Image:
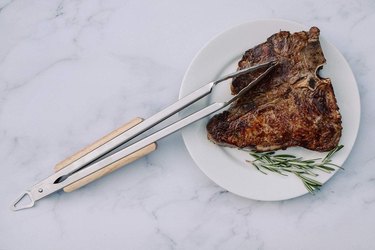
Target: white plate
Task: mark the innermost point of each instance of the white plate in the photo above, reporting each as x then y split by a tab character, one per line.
227	166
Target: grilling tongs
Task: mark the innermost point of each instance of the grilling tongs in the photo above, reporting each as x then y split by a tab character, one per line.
109	153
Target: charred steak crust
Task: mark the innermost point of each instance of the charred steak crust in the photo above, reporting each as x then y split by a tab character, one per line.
292	106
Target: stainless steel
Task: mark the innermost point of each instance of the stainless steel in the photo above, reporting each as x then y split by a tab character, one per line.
76	170
20	198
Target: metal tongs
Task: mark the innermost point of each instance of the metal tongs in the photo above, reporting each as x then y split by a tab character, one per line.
106	155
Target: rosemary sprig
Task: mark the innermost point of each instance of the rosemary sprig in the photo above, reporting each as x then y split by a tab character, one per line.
285	164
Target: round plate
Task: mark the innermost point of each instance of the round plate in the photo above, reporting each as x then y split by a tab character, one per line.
227	166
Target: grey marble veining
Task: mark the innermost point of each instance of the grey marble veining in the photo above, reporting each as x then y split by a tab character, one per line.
71	71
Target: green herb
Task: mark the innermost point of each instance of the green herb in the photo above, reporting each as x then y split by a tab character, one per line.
305	170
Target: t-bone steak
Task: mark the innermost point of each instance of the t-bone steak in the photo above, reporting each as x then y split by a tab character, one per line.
292	106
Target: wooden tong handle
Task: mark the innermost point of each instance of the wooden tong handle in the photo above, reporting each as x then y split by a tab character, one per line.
110	168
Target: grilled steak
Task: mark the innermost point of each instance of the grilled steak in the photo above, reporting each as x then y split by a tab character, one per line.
292	106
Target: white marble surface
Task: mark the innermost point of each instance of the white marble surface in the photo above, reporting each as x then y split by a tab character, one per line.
70	71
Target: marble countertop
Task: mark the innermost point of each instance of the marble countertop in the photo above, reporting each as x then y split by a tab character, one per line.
71	71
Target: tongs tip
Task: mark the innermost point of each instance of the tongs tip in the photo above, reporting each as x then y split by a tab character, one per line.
274	63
